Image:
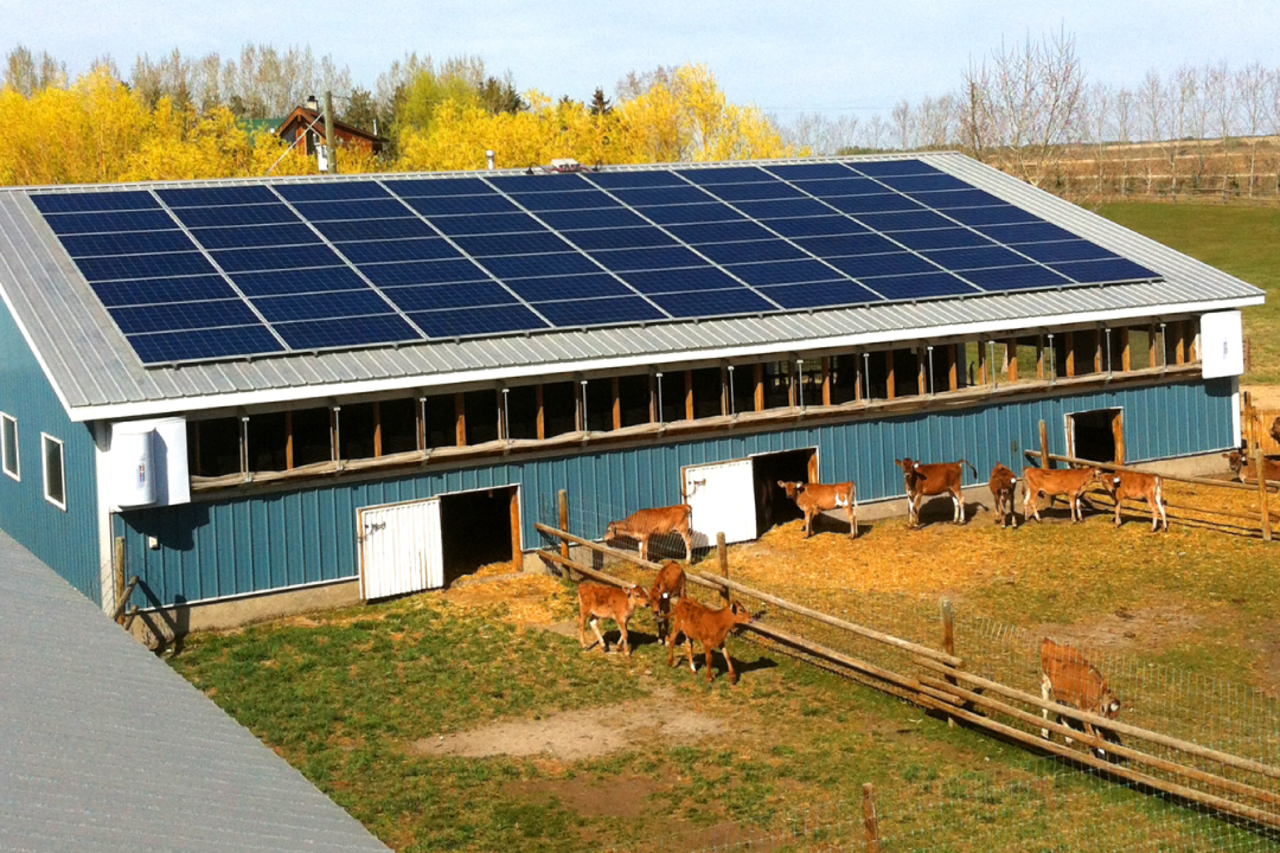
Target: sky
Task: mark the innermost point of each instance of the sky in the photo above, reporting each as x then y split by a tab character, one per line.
837	59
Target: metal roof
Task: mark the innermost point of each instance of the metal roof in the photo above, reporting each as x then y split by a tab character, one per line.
96	374
105	748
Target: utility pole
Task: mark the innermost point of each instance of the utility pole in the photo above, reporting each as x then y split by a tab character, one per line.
330	148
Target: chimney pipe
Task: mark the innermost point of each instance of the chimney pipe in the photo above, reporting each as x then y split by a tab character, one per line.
311	103
488	156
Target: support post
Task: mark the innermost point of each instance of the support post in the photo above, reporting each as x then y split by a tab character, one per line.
1044	445
889	383
117	566
1069	346
1125	358
460	419
1011	358
617	405
759	381
870	824
563	498
948	640
1258	462
330	143
826	382
982	362
688	395
722	558
517	555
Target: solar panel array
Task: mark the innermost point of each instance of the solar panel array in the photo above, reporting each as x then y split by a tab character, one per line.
230	271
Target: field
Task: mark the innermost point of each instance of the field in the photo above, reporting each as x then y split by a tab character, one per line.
469	719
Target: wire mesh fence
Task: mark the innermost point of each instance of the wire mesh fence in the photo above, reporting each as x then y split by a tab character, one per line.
1062	805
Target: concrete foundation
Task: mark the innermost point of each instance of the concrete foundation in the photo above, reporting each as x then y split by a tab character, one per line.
159	628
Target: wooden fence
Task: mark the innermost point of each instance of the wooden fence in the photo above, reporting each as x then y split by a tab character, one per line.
945	684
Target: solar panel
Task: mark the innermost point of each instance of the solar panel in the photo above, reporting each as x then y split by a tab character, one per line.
332	263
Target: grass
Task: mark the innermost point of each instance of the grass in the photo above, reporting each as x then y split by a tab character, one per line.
1243	241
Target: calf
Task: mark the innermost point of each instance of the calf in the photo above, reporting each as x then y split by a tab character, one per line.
938	478
644	523
709	627
667	585
1246	472
1275	429
1122	485
1003	485
1070	482
597	601
813	498
1067	678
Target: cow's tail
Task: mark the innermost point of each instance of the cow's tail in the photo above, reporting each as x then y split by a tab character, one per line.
971	468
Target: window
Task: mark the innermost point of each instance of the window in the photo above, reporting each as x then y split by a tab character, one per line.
9	445
55	491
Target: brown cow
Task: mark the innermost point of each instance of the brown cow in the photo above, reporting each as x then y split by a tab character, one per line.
1275	429
1003	485
1070	482
1068	678
644	523
1123	485
938	478
813	498
597	601
709	627
668	585
1246	472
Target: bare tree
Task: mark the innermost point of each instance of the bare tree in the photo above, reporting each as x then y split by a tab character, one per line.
1218	95
903	125
1098	106
1251	86
26	73
976	121
873	133
1125	112
1153	100
936	122
819	134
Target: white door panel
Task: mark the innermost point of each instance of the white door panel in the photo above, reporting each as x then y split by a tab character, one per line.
723	498
400	549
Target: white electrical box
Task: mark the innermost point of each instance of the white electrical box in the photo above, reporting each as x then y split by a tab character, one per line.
147	463
1221	344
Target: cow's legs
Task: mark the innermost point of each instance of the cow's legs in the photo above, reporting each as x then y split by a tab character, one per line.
707	647
852	511
1046	690
733	676
689	646
644	546
1117	521
688	546
809	516
671	648
595	626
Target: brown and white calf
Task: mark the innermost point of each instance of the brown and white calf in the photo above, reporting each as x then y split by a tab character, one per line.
667	587
936	478
1069	482
1246	472
814	498
1004	486
1068	678
709	627
1124	485
597	601
658	521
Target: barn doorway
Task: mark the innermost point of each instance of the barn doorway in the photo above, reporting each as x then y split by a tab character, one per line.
773	507
1097	435
478	528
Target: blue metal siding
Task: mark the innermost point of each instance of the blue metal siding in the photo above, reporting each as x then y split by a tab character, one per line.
307	535
65	541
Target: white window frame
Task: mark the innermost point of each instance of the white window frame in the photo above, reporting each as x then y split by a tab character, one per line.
16	473
45	441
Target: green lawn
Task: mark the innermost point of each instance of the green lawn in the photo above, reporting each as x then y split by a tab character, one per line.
1244	241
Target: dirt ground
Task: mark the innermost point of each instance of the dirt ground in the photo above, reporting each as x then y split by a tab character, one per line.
571	736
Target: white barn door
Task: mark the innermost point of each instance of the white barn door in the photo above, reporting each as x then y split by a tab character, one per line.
400	549
723	497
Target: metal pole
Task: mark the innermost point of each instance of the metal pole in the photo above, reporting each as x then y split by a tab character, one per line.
1108	352
661	414
506	415
1164	353
244	447
930	349
800	379
586	425
866	376
330	146
1053	361
733	405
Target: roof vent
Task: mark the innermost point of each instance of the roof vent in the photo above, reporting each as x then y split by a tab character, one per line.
311	103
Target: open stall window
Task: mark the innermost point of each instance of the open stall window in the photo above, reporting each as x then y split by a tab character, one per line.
599	403
522	412
809	373
268	442
846	373
55	486
706	392
742	388
671	395
312	431
356	428
633	399
438	429
213	447
559	408
481	410
9	445
398	422
906	373
778	381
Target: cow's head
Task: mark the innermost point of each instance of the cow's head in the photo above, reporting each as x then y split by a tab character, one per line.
739	615
1109	707
907	464
792	488
1275	429
1235	459
636	597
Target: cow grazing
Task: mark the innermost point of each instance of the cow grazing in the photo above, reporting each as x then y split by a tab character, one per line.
709	627
668	585
1246	472
659	521
938	478
1070	482
1003	485
813	498
1135	484
1067	678
597	601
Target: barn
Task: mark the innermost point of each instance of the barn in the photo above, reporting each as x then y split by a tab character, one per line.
257	395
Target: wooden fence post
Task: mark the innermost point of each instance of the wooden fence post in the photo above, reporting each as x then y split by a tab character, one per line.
117	567
1258	463
564	522
1044	445
869	821
948	640
722	557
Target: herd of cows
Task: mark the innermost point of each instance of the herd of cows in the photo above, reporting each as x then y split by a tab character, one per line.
1067	677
